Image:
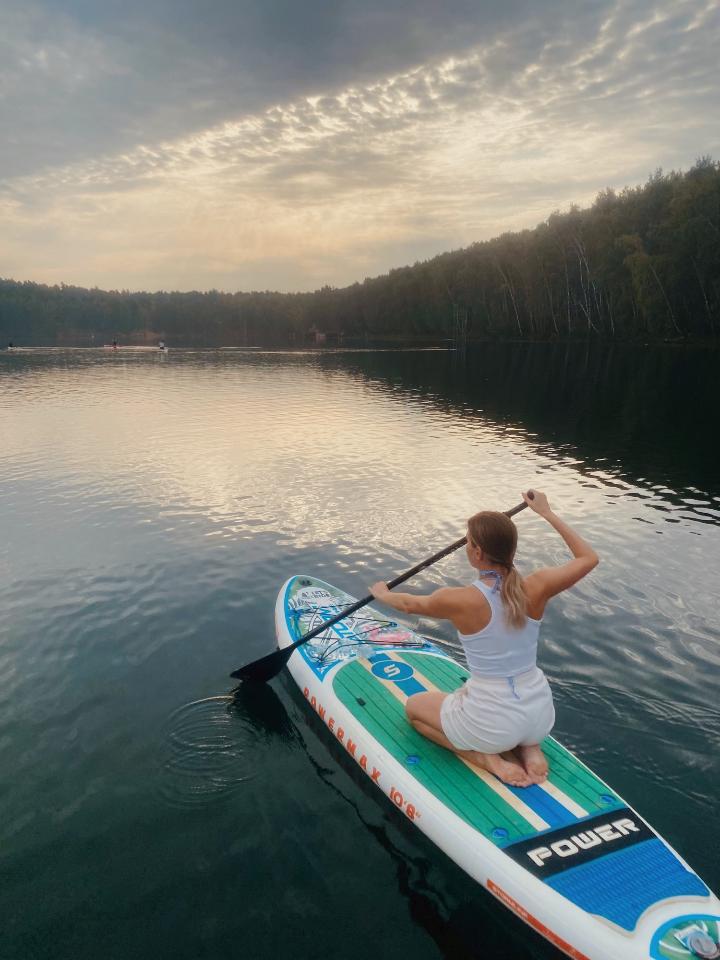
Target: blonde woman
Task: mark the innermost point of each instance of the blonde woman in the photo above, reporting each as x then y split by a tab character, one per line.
499	717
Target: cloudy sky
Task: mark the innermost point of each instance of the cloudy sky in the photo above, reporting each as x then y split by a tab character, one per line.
278	144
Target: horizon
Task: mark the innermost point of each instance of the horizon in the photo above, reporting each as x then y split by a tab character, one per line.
250	292
153	148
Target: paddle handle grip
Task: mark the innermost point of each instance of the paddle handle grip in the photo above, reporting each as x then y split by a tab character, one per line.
396	582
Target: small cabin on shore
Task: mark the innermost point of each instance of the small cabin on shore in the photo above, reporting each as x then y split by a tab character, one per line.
321	338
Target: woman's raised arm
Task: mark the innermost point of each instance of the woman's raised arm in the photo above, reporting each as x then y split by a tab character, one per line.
553	580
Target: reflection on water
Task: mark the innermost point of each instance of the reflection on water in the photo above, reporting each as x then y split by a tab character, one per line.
637	412
152	506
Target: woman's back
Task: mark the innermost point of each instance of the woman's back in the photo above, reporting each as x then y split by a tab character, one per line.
499	649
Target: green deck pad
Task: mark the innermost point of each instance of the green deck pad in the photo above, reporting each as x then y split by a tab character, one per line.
567	773
442	773
580	784
446	674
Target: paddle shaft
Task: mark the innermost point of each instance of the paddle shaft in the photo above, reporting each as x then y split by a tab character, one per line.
392	584
260	671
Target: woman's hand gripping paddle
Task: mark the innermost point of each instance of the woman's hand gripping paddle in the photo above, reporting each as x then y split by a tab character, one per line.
260	671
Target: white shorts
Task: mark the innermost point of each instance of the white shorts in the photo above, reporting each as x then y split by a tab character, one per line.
493	715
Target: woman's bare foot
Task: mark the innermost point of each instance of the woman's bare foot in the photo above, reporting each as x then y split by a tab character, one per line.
509	771
533	760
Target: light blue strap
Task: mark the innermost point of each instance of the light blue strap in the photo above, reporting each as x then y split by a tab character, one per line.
492	573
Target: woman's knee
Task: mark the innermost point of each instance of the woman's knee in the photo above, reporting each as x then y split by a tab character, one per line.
410	708
424	707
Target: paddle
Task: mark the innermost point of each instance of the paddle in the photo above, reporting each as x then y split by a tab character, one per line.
260	671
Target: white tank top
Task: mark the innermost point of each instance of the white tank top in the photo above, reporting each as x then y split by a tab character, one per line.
499	650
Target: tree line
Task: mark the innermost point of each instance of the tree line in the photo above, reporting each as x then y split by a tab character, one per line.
642	263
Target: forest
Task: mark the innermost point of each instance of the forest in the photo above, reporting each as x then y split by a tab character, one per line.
639	264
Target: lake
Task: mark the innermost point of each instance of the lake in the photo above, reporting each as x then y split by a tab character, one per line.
150	508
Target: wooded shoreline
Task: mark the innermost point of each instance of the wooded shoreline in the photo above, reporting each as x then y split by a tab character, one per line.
639	265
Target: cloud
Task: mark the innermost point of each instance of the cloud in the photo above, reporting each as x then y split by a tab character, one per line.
80	78
339	184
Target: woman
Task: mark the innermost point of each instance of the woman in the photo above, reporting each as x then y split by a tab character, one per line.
498	718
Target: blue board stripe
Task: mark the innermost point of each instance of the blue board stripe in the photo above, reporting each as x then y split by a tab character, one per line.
545	805
577	822
410	686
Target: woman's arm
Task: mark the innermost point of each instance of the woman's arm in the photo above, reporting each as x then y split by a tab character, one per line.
442	604
553	580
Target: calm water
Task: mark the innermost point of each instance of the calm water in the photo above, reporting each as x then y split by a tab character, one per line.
150	508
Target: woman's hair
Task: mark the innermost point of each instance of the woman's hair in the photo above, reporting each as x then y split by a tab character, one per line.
496	535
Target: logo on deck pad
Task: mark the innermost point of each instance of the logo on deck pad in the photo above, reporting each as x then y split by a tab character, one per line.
392	670
570	846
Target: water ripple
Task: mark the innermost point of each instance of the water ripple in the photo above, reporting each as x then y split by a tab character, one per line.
206	753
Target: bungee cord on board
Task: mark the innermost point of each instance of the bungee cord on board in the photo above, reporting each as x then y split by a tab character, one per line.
366	635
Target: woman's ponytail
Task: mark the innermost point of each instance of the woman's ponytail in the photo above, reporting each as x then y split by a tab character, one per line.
496	535
514	599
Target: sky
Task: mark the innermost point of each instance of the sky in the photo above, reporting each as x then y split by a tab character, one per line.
285	145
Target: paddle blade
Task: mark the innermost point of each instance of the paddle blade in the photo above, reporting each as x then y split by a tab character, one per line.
260	671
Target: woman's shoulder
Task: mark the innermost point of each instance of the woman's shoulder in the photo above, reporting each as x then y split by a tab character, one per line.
474	610
465	596
532	583
535	594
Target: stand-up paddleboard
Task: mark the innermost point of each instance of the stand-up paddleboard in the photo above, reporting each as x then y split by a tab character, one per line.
569	857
